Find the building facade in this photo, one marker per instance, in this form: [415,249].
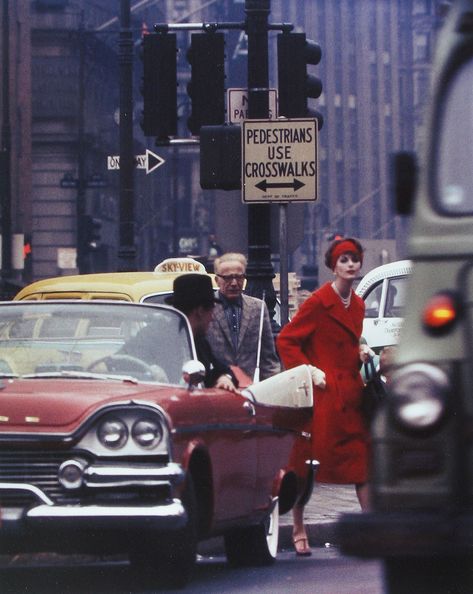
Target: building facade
[64,85]
[15,143]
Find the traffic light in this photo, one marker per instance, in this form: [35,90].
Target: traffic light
[295,52]
[220,157]
[90,233]
[206,87]
[159,88]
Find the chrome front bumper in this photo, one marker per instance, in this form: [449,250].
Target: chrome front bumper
[113,516]
[407,534]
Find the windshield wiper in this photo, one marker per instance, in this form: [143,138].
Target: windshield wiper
[82,375]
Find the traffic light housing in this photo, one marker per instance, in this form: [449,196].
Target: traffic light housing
[206,87]
[295,85]
[159,87]
[220,157]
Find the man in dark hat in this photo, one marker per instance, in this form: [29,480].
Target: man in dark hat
[194,296]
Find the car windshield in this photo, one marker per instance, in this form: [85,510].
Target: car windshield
[93,339]
[455,149]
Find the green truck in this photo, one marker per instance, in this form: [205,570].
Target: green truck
[421,519]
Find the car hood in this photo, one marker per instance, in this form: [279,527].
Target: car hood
[59,406]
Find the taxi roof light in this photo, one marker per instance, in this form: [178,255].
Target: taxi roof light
[180,265]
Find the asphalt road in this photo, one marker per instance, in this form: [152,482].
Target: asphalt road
[326,572]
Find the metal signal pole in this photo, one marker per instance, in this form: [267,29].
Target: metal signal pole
[260,269]
[5,154]
[127,248]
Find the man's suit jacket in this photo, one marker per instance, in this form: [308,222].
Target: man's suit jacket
[245,355]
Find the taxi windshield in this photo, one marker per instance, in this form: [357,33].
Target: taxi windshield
[93,339]
[455,148]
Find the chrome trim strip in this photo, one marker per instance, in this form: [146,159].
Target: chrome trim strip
[28,488]
[123,475]
[173,509]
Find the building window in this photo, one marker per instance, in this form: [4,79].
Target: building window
[421,47]
[419,7]
[421,87]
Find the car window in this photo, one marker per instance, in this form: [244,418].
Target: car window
[156,298]
[455,149]
[22,328]
[395,297]
[58,327]
[373,301]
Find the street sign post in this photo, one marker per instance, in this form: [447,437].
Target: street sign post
[237,105]
[149,161]
[279,160]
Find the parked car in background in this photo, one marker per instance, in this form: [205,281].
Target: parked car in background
[383,290]
[110,444]
[139,287]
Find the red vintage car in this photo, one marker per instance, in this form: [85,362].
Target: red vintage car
[106,448]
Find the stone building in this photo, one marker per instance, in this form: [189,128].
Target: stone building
[64,108]
[15,147]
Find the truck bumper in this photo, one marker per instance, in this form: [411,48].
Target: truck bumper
[391,534]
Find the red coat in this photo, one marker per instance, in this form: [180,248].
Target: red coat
[325,334]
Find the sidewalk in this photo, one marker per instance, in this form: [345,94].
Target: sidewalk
[321,514]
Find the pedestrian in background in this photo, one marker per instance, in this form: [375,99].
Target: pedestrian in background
[234,330]
[325,333]
[193,294]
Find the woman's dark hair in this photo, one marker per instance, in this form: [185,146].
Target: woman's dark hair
[333,245]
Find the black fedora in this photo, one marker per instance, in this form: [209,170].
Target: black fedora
[192,290]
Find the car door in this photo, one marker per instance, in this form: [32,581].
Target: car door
[233,448]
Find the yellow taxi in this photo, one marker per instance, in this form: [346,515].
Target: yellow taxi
[139,287]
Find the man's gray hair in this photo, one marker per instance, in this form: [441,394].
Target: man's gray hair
[228,257]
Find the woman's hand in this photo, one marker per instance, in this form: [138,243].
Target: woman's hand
[365,353]
[318,377]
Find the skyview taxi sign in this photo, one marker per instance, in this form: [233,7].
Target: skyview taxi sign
[279,160]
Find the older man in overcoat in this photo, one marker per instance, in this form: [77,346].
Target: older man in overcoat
[234,330]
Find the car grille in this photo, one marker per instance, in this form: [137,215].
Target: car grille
[38,468]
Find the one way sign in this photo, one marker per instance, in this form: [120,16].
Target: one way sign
[149,161]
[279,160]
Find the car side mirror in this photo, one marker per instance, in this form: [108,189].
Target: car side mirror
[404,181]
[193,373]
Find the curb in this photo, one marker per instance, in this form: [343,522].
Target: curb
[320,535]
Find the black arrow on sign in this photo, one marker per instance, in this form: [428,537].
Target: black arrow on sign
[264,185]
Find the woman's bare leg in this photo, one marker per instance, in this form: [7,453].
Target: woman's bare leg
[299,534]
[363,494]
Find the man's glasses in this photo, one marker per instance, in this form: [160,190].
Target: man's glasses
[228,278]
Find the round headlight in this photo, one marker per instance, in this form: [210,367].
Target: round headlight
[147,433]
[419,395]
[112,433]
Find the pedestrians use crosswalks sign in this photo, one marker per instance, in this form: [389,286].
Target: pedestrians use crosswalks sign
[279,160]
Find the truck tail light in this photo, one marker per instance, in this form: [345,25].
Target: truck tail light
[440,312]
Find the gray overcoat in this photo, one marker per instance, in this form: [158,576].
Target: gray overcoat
[245,355]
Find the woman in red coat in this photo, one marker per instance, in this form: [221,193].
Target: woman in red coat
[325,333]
